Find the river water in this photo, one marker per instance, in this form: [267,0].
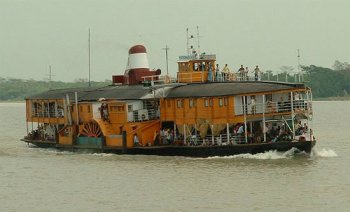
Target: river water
[34,179]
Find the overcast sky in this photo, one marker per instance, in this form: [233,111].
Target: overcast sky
[37,33]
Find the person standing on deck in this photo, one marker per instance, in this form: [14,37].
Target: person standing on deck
[225,72]
[136,140]
[217,73]
[257,73]
[210,74]
[246,72]
[241,73]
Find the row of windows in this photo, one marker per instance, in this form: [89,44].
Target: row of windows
[208,102]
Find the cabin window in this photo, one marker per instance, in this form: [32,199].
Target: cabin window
[88,108]
[195,66]
[191,103]
[206,102]
[81,108]
[211,102]
[220,102]
[130,108]
[179,103]
[118,108]
[225,101]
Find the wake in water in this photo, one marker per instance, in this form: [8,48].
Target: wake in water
[324,153]
[270,155]
[274,155]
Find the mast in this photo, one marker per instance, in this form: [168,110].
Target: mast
[199,51]
[188,40]
[166,57]
[89,59]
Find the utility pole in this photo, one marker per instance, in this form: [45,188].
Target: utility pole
[50,75]
[166,57]
[89,60]
[299,71]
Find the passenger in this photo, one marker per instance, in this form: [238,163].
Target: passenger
[241,73]
[136,140]
[203,67]
[168,137]
[240,132]
[171,137]
[217,73]
[298,128]
[163,136]
[252,105]
[257,73]
[210,74]
[156,138]
[246,73]
[225,72]
[305,128]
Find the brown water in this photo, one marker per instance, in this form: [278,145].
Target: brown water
[34,179]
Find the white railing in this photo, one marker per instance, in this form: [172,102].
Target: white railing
[164,79]
[148,112]
[47,114]
[273,107]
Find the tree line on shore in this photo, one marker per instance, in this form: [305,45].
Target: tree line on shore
[324,82]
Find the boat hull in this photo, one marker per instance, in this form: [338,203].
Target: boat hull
[189,151]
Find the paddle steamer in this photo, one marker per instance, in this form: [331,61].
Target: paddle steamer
[200,113]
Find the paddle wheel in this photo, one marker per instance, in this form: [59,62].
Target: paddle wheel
[91,129]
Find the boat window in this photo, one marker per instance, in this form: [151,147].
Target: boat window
[220,102]
[130,108]
[88,108]
[225,101]
[206,102]
[211,102]
[179,103]
[191,103]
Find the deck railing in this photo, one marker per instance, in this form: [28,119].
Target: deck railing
[273,107]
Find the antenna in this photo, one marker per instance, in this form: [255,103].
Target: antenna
[89,59]
[199,51]
[166,57]
[189,48]
[187,38]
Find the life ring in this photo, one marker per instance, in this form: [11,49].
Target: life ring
[143,117]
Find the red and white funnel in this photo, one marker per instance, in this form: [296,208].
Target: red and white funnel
[137,58]
[137,69]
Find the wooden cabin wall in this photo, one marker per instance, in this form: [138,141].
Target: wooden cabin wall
[85,112]
[203,109]
[117,112]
